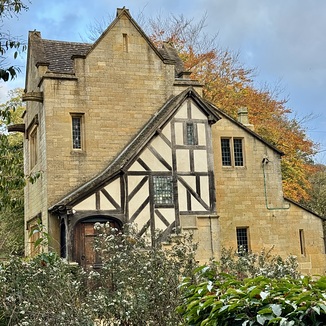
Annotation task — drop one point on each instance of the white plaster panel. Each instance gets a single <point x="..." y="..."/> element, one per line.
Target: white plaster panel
<point x="182" y="194"/>
<point x="168" y="213"/>
<point x="204" y="188"/>
<point x="183" y="161"/>
<point x="87" y="204"/>
<point x="166" y="131"/>
<point x="137" y="200"/>
<point x="182" y="111"/>
<point x="114" y="190"/>
<point x="200" y="161"/>
<point x="136" y="167"/>
<point x="201" y="130"/>
<point x="191" y="181"/>
<point x="152" y="162"/>
<point x="195" y="205"/>
<point x="133" y="181"/>
<point x="163" y="148"/>
<point x="197" y="113"/>
<point x="142" y="218"/>
<point x="178" y="127"/>
<point x="105" y="204"/>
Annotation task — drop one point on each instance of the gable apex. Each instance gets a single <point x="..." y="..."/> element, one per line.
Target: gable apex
<point x="125" y="12"/>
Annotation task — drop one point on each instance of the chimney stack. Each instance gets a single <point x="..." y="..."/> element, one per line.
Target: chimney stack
<point x="243" y="118"/>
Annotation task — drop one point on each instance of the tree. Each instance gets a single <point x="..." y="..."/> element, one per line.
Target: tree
<point x="317" y="193"/>
<point x="8" y="9"/>
<point x="12" y="179"/>
<point x="230" y="85"/>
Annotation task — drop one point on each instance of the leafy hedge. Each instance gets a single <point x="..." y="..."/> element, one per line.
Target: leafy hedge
<point x="222" y="299"/>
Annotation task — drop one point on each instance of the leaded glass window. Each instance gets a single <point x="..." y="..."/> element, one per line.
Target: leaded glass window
<point x="242" y="240"/>
<point x="76" y="132"/>
<point x="226" y="152"/>
<point x="163" y="190"/>
<point x="238" y="155"/>
<point x="191" y="134"/>
<point x="232" y="152"/>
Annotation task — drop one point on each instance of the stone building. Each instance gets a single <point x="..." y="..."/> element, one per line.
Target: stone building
<point x="121" y="134"/>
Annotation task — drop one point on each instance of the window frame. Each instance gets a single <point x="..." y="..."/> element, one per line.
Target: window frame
<point x="80" y="117"/>
<point x="162" y="203"/>
<point x="243" y="241"/>
<point x="194" y="136"/>
<point x="302" y="243"/>
<point x="34" y="234"/>
<point x="33" y="147"/>
<point x="233" y="155"/>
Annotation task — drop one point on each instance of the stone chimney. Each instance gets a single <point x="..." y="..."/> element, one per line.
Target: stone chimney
<point x="243" y="118"/>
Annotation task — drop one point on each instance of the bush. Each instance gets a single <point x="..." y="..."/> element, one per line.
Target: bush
<point x="42" y="291"/>
<point x="222" y="299"/>
<point x="137" y="284"/>
<point x="249" y="264"/>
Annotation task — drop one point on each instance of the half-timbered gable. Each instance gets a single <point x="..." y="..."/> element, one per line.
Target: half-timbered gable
<point x="164" y="173"/>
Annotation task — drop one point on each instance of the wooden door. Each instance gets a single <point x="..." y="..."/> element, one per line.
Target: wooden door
<point x="84" y="241"/>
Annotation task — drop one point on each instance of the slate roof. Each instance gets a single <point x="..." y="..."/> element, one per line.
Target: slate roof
<point x="57" y="55"/>
<point x="170" y="53"/>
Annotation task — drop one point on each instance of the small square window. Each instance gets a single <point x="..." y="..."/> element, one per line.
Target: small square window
<point x="242" y="240"/>
<point x="163" y="190"/>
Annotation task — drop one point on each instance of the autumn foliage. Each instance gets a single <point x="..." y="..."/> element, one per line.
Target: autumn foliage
<point x="230" y="86"/>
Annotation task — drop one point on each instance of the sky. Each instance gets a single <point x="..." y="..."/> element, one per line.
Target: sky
<point x="284" y="40"/>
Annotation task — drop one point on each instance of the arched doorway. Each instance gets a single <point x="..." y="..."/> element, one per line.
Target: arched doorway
<point x="83" y="240"/>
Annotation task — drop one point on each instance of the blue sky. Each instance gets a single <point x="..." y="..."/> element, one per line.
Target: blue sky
<point x="284" y="40"/>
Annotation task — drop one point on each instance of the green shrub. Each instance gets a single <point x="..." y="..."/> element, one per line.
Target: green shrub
<point x="42" y="291"/>
<point x="249" y="264"/>
<point x="222" y="299"/>
<point x="138" y="282"/>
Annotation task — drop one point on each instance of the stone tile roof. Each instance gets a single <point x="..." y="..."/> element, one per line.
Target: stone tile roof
<point x="170" y="53"/>
<point x="59" y="54"/>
